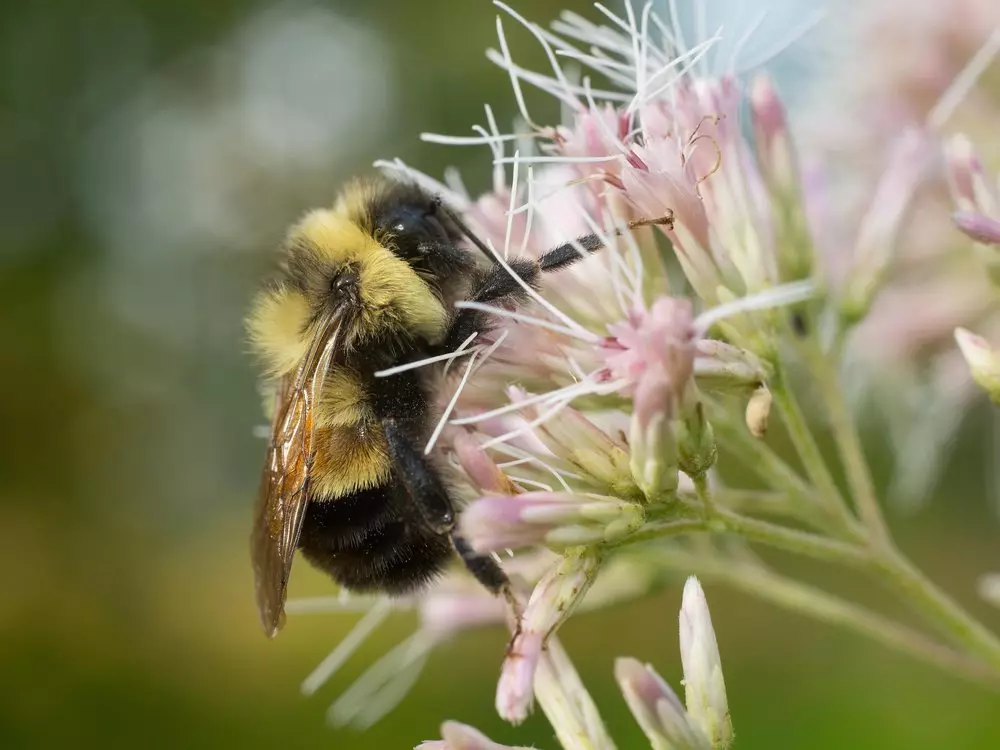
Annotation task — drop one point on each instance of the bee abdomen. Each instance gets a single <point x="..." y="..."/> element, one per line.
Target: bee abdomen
<point x="372" y="541"/>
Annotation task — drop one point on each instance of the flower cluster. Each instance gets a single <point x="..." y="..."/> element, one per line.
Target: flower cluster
<point x="586" y="426"/>
<point x="704" y="723"/>
<point x="897" y="67"/>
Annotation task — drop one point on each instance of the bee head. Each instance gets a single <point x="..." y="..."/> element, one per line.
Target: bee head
<point x="332" y="264"/>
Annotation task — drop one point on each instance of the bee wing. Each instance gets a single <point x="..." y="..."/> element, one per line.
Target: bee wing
<point x="284" y="487"/>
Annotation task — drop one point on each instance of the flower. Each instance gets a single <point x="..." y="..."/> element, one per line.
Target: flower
<point x="977" y="200"/>
<point x="456" y="736"/>
<point x="983" y="360"/>
<point x="706" y="723"/>
<point x="704" y="686"/>
<point x="552" y="601"/>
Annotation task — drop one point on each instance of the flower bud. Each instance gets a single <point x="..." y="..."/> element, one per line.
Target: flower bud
<point x="880" y="226"/>
<point x="979" y="227"/>
<point x="722" y="367"/>
<point x="553" y="600"/>
<point x="758" y="411"/>
<point x="481" y="469"/>
<point x="983" y="361"/>
<point x="775" y="149"/>
<point x="654" y="445"/>
<point x="704" y="686"/>
<point x="657" y="708"/>
<point x="456" y="736"/>
<point x="574" y="438"/>
<point x="967" y="180"/>
<point x="697" y="450"/>
<point x="557" y="519"/>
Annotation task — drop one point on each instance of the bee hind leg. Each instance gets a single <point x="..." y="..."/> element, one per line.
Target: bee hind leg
<point x="488" y="572"/>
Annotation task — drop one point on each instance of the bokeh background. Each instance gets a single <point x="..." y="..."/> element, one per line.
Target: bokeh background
<point x="152" y="153"/>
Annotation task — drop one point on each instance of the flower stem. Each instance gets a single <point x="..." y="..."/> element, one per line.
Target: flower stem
<point x="801" y="501"/>
<point x="845" y="433"/>
<point x="792" y="540"/>
<point x="758" y="581"/>
<point x="940" y="609"/>
<point x="806" y="446"/>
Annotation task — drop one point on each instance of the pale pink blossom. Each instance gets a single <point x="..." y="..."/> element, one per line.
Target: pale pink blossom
<point x="456" y="736"/>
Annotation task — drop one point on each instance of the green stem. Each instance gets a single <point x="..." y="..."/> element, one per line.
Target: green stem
<point x="660" y="529"/>
<point x="845" y="433"/>
<point x="798" y="597"/>
<point x="801" y="500"/>
<point x="915" y="588"/>
<point x="805" y="444"/>
<point x="792" y="540"/>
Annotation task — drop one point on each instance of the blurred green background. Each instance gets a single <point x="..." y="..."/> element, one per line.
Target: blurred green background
<point x="152" y="154"/>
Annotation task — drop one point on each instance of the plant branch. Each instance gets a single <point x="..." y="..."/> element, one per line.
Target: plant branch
<point x="798" y="597"/>
<point x="806" y="446"/>
<point x="848" y="442"/>
<point x="936" y="606"/>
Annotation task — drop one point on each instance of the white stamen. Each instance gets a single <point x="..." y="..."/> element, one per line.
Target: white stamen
<point x="492" y="348"/>
<point x="533" y="294"/>
<point x="530" y="482"/>
<point x="577" y="27"/>
<point x="497" y="147"/>
<point x="520" y="404"/>
<point x="671" y="45"/>
<point x="677" y="26"/>
<point x="537" y="33"/>
<point x="642" y="65"/>
<point x="451" y="405"/>
<point x="529" y="426"/>
<point x="516" y="462"/>
<point x="593" y="61"/>
<point x="691" y="58"/>
<point x="590" y="338"/>
<point x="964" y="82"/>
<point x="620" y="23"/>
<point x="557" y="159"/>
<point x="695" y="55"/>
<point x="515" y="83"/>
<point x="700" y="26"/>
<point x="796" y="34"/>
<point x="459" y="349"/>
<point x="468" y="140"/>
<point x="393" y="669"/>
<point x="531" y="213"/>
<point x="510" y="208"/>
<point x="559" y="474"/>
<point x="743" y="41"/>
<point x="372" y="619"/>
<point x="453" y="179"/>
<point x="428" y="361"/>
<point x="637" y="44"/>
<point x="779" y="296"/>
<point x="549" y="85"/>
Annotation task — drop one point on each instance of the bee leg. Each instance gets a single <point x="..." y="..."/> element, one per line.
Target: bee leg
<point x="488" y="572"/>
<point x="419" y="479"/>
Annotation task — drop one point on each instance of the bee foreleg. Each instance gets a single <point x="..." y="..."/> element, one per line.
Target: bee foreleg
<point x="419" y="479"/>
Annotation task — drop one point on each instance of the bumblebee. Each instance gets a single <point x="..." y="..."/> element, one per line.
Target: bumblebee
<point x="363" y="287"/>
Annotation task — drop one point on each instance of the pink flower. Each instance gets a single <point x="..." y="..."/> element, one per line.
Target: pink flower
<point x="552" y="601"/>
<point x="456" y="736"/>
<point x="552" y="518"/>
